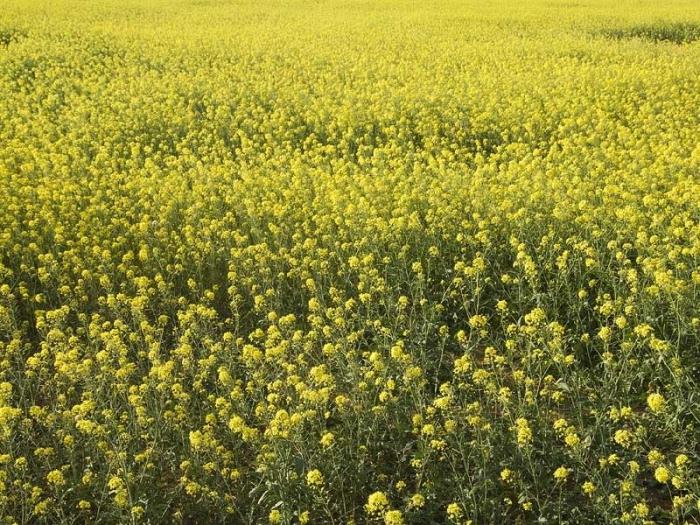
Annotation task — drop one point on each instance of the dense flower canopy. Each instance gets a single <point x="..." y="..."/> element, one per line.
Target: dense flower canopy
<point x="342" y="261"/>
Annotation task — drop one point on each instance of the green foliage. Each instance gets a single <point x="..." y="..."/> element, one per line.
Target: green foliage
<point x="674" y="32"/>
<point x="9" y="35"/>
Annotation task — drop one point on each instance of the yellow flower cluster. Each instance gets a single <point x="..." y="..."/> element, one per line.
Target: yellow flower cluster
<point x="349" y="262"/>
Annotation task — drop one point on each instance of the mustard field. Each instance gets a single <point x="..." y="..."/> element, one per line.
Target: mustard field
<point x="349" y="262"/>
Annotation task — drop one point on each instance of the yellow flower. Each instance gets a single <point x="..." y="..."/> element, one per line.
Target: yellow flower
<point x="376" y="502"/>
<point x="681" y="460"/>
<point x="327" y="439"/>
<point x="655" y="456"/>
<point x="561" y="474"/>
<point x="393" y="517"/>
<point x="314" y="478"/>
<point x="572" y="440"/>
<point x="623" y="438"/>
<point x="417" y="501"/>
<point x="523" y="433"/>
<point x="454" y="512"/>
<point x="662" y="474"/>
<point x="55" y="478"/>
<point x="561" y="424"/>
<point x="641" y="510"/>
<point x="506" y="475"/>
<point x="656" y="403"/>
